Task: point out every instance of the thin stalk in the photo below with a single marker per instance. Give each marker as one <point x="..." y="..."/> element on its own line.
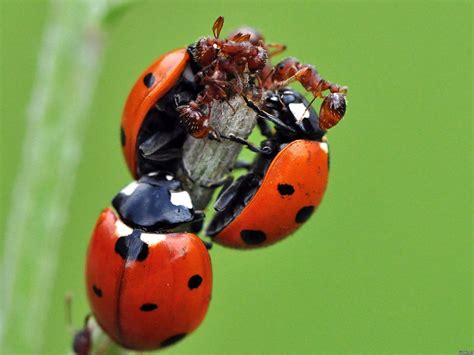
<point x="56" y="117"/>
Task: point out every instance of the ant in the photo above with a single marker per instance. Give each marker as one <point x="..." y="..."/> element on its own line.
<point x="273" y="49"/>
<point x="226" y="69"/>
<point x="223" y="64"/>
<point x="333" y="106"/>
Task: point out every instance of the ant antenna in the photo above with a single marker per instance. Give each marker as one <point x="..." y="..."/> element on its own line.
<point x="217" y="27"/>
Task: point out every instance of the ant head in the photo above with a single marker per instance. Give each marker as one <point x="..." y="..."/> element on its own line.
<point x="205" y="51"/>
<point x="294" y="110"/>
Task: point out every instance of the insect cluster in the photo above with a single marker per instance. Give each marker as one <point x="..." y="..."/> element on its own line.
<point x="148" y="275"/>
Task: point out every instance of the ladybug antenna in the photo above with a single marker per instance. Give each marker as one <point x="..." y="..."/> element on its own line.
<point x="68" y="311"/>
<point x="216" y="29"/>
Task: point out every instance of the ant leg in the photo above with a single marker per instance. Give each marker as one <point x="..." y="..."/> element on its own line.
<point x="308" y="106"/>
<point x="252" y="147"/>
<point x="267" y="116"/>
<point x="270" y="73"/>
<point x="231" y="107"/>
<point x="278" y="48"/>
<point x="297" y="76"/>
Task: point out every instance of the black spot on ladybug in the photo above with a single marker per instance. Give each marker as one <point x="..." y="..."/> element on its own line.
<point x="194" y="282"/>
<point x="97" y="291"/>
<point x="148" y="307"/>
<point x="149" y="80"/>
<point x="172" y="340"/>
<point x="304" y="214"/>
<point x="122" y="136"/>
<point x="286" y="189"/>
<point x="252" y="237"/>
<point x="131" y="247"/>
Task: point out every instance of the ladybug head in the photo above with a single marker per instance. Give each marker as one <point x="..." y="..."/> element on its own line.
<point x="155" y="203"/>
<point x="294" y="110"/>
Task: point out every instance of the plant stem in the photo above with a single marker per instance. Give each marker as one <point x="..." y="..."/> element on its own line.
<point x="66" y="76"/>
<point x="209" y="162"/>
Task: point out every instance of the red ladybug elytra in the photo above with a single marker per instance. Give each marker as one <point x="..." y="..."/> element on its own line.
<point x="282" y="191"/>
<point x="143" y="121"/>
<point x="150" y="286"/>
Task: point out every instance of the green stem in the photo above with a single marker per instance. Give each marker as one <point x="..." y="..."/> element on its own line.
<point x="67" y="73"/>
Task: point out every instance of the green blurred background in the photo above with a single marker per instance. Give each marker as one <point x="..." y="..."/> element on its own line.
<point x="385" y="266"/>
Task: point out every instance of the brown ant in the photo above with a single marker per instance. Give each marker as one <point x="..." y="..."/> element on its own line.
<point x="273" y="49"/>
<point x="333" y="107"/>
<point x="225" y="67"/>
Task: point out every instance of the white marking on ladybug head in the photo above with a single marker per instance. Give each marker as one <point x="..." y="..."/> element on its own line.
<point x="181" y="198"/>
<point x="122" y="229"/>
<point x="324" y="146"/>
<point x="152" y="238"/>
<point x="153" y="173"/>
<point x="128" y="190"/>
<point x="299" y="111"/>
<point x="169" y="177"/>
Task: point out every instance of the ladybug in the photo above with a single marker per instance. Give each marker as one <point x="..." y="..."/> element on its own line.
<point x="282" y="190"/>
<point x="148" y="281"/>
<point x="151" y="135"/>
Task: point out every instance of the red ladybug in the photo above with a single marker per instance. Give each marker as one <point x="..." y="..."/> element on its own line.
<point x="283" y="190"/>
<point x="148" y="285"/>
<point x="150" y="132"/>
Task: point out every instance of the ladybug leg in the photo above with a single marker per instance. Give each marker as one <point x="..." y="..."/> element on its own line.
<point x="264" y="128"/>
<point x="157" y="141"/>
<point x="252" y="147"/>
<point x="165" y="155"/>
<point x="196" y="226"/>
<point x="227" y="195"/>
<point x="225" y="181"/>
<point x="240" y="164"/>
<point x="265" y="115"/>
<point x="207" y="244"/>
<point x="232" y="199"/>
